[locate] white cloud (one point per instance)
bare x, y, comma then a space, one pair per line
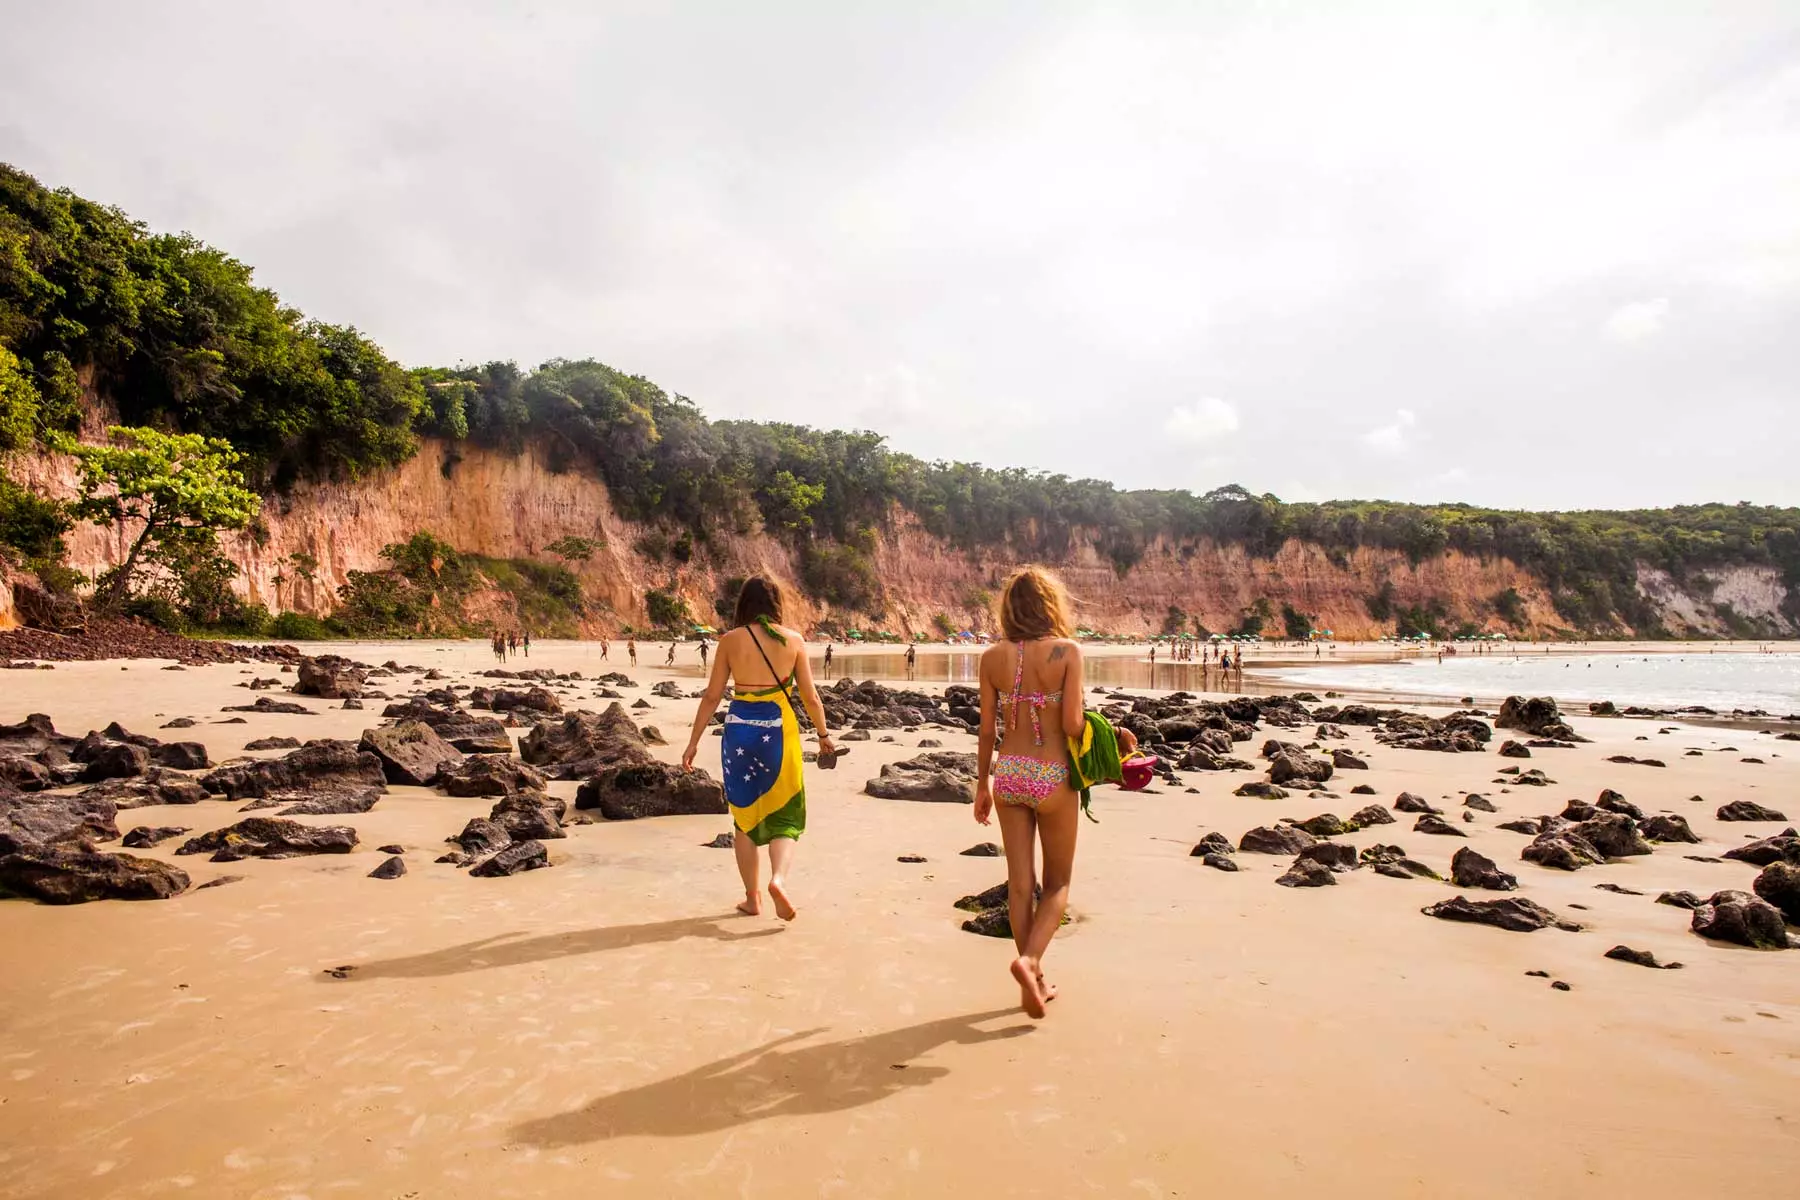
1205, 420
1392, 438
1638, 320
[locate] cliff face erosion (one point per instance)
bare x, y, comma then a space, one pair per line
577, 497
513, 505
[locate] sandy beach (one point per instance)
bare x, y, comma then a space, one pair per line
609, 1026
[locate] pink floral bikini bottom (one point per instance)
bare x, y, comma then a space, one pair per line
1022, 779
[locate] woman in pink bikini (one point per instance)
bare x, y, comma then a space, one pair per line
1031, 701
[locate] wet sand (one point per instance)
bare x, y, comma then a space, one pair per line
609, 1027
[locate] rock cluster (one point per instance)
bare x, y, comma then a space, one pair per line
1537, 716
937, 776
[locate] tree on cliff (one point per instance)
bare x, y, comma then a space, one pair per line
172, 482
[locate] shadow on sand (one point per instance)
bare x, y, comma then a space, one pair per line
776, 1079
516, 949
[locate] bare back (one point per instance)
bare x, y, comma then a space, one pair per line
739, 648
1030, 688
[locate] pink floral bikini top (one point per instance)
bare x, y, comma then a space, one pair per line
1035, 701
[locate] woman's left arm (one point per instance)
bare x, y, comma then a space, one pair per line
809, 696
1074, 701
709, 703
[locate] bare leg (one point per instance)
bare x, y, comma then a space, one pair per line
781, 857
1059, 820
749, 865
1018, 825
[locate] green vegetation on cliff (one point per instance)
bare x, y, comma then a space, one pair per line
176, 335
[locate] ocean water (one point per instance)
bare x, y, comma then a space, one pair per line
1769, 682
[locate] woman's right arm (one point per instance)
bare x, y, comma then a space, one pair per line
984, 744
709, 704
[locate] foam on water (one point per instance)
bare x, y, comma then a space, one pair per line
1770, 682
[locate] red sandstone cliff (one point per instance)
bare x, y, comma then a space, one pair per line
512, 506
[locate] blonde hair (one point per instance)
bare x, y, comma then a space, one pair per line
1034, 605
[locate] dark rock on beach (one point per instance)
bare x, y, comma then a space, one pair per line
329, 677
337, 802
1279, 839
583, 743
265, 705
1613, 834
411, 753
1642, 958
513, 860
155, 786
1537, 716
1307, 873
1760, 853
1742, 919
488, 775
114, 760
1514, 913
146, 836
1563, 850
1326, 825
1472, 869
1779, 885
1290, 766
1406, 802
29, 822
653, 789
1748, 810
77, 875
938, 776
1436, 825
1372, 814
324, 764
528, 815
273, 837
392, 868
1665, 828
1335, 856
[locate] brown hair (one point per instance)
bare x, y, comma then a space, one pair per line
1034, 605
759, 597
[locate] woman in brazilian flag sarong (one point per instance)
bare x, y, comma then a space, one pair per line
760, 757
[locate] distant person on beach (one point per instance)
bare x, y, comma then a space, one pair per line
1031, 703
828, 649
631, 649
703, 654
766, 664
912, 658
526, 639
605, 649
670, 661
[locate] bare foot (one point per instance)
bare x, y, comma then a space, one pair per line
1031, 996
751, 905
1046, 987
783, 908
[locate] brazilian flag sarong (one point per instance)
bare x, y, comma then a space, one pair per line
761, 765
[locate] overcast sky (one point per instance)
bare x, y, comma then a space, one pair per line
1544, 256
